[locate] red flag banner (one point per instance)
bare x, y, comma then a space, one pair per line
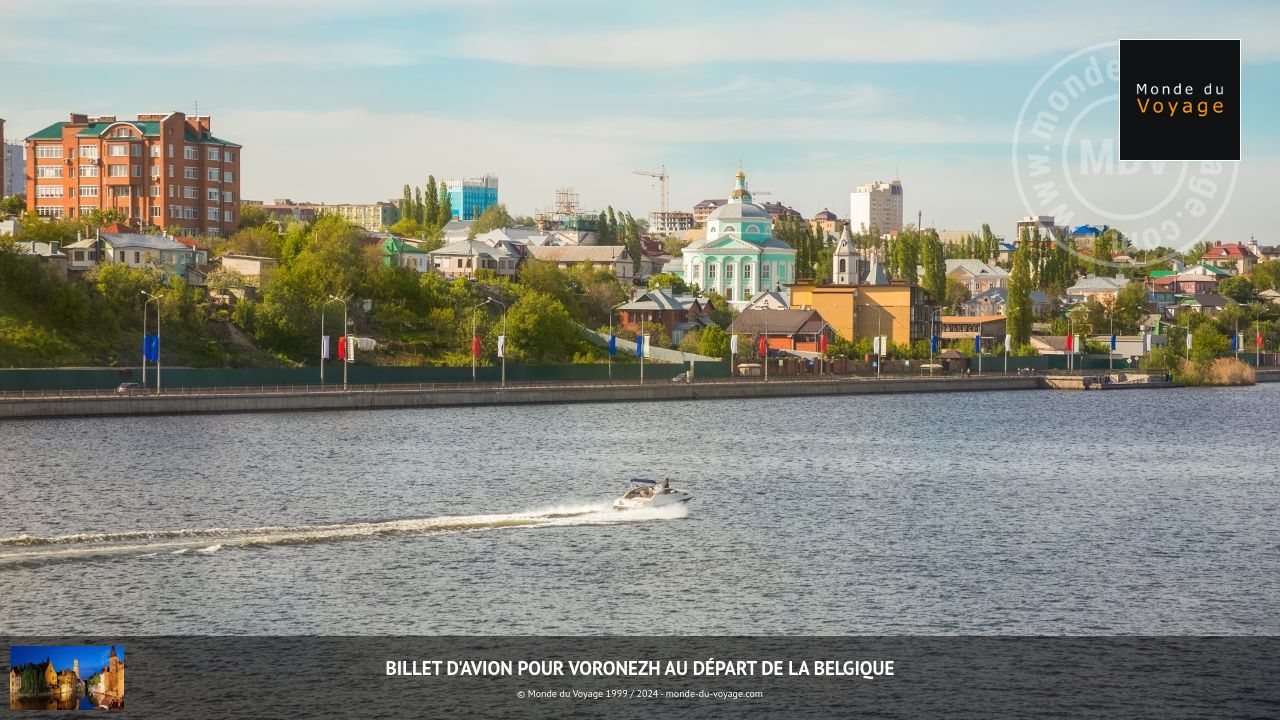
475, 345
1259, 341
822, 344
764, 346
1070, 343
342, 347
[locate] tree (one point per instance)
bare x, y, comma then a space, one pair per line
1129, 307
906, 256
1237, 288
445, 212
956, 294
407, 208
1207, 343
935, 267
494, 217
431, 201
253, 216
1266, 276
714, 342
257, 241
13, 205
539, 330
1019, 303
668, 280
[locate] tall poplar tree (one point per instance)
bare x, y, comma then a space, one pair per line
445, 214
1019, 309
406, 204
431, 201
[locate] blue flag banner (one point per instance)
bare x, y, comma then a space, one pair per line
1113, 343
933, 344
151, 348
977, 344
639, 346
1235, 343
613, 345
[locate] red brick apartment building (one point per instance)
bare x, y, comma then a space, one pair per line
163, 171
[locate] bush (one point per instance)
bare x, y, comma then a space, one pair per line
1220, 371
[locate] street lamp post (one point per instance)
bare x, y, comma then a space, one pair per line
156, 298
764, 343
346, 340
324, 349
504, 338
474, 339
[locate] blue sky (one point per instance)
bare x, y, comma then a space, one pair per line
346, 102
92, 657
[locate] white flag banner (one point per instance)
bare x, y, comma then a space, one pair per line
875, 345
1188, 340
733, 343
502, 345
324, 347
1008, 343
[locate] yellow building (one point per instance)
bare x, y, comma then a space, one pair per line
872, 306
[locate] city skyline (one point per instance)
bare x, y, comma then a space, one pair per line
351, 103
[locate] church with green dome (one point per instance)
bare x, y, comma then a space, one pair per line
739, 257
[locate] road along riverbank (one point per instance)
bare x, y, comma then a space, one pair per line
288, 399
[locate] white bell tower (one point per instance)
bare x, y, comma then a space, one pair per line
844, 262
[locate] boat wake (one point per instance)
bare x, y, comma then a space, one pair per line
28, 549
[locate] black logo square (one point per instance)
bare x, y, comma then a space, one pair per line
1179, 99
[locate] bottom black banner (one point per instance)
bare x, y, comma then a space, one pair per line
693, 677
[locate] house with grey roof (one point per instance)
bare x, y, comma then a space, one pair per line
996, 300
613, 257
137, 250
976, 275
678, 314
1102, 287
463, 258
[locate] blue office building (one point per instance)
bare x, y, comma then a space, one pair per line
470, 196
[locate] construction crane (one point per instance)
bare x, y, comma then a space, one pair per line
661, 174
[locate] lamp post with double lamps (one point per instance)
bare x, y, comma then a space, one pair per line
324, 344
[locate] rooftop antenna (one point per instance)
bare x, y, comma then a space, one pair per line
197, 110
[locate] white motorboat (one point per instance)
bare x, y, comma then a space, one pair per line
646, 493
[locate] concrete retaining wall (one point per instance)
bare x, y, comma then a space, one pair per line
462, 396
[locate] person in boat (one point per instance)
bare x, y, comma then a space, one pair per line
666, 484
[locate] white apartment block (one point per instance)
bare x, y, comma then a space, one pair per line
876, 205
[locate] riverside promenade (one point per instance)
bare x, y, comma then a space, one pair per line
88, 403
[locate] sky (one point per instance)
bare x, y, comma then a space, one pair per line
92, 657
348, 101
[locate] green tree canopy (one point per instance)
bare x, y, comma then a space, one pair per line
494, 217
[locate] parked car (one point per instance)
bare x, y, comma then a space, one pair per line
682, 377
128, 388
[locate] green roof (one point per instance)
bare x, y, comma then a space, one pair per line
1162, 273
150, 128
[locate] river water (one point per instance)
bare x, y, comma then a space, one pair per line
1032, 512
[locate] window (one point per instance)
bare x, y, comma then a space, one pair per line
842, 265
48, 151
170, 150
170, 171
155, 171
215, 174
212, 195
155, 151
155, 191
89, 152
229, 156
117, 171
189, 153
213, 213
229, 176
79, 256
228, 196
137, 171
765, 271
88, 171
120, 132
746, 271
728, 271
215, 154
117, 150
175, 211
190, 213
88, 191
136, 150
50, 171
155, 211
711, 271
48, 191
173, 191
120, 192
137, 256
189, 192
49, 210
228, 216
190, 173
